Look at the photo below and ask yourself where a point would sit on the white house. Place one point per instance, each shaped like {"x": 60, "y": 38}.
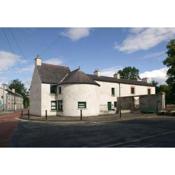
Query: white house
{"x": 9, "y": 99}
{"x": 61, "y": 91}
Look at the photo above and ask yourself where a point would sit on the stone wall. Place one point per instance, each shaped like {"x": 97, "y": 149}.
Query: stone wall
{"x": 143, "y": 103}
{"x": 152, "y": 103}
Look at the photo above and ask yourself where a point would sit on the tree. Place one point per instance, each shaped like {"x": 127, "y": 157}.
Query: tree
{"x": 155, "y": 83}
{"x": 20, "y": 89}
{"x": 170, "y": 63}
{"x": 130, "y": 73}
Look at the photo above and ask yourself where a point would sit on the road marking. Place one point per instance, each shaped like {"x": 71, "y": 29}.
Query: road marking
{"x": 140, "y": 139}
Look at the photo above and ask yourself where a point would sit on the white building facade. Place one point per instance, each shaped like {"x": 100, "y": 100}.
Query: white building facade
{"x": 9, "y": 99}
{"x": 63, "y": 92}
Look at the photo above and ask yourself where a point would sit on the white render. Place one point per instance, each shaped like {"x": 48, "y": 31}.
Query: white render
{"x": 80, "y": 92}
{"x": 35, "y": 94}
{"x": 105, "y": 93}
{"x": 9, "y": 99}
{"x": 96, "y": 97}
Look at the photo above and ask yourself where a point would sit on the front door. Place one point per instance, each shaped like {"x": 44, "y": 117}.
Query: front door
{"x": 109, "y": 106}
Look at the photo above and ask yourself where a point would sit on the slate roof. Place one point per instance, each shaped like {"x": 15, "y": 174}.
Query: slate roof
{"x": 56, "y": 74}
{"x": 52, "y": 74}
{"x": 115, "y": 80}
{"x": 78, "y": 77}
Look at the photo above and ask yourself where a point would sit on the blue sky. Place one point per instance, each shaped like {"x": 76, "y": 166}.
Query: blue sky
{"x": 106, "y": 49}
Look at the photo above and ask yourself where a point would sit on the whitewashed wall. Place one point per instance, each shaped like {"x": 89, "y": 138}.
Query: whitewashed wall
{"x": 35, "y": 94}
{"x": 47, "y": 97}
{"x": 125, "y": 90}
{"x": 96, "y": 97}
{"x": 80, "y": 92}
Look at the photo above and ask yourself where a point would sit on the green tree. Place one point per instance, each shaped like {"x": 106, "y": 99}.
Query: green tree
{"x": 20, "y": 89}
{"x": 130, "y": 73}
{"x": 155, "y": 83}
{"x": 170, "y": 63}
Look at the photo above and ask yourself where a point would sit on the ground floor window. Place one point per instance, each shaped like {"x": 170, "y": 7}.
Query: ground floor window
{"x": 57, "y": 105}
{"x": 109, "y": 106}
{"x": 81, "y": 105}
{"x": 60, "y": 105}
{"x": 53, "y": 105}
{"x": 115, "y": 104}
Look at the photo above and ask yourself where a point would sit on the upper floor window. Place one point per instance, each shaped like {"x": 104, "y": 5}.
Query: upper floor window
{"x": 113, "y": 91}
{"x": 53, "y": 89}
{"x": 149, "y": 91}
{"x": 132, "y": 90}
{"x": 59, "y": 90}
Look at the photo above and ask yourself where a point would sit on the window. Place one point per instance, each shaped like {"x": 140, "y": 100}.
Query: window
{"x": 53, "y": 105}
{"x": 60, "y": 105}
{"x": 81, "y": 105}
{"x": 132, "y": 90}
{"x": 113, "y": 91}
{"x": 115, "y": 104}
{"x": 53, "y": 89}
{"x": 109, "y": 106}
{"x": 149, "y": 91}
{"x": 59, "y": 90}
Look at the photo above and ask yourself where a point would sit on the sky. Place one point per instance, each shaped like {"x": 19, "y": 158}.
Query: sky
{"x": 105, "y": 49}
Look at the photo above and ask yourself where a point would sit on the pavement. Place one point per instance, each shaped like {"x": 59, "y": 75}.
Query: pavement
{"x": 133, "y": 130}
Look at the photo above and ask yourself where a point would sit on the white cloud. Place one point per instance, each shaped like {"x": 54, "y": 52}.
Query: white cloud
{"x": 7, "y": 60}
{"x": 158, "y": 75}
{"x": 144, "y": 39}
{"x": 109, "y": 72}
{"x": 56, "y": 61}
{"x": 27, "y": 83}
{"x": 28, "y": 68}
{"x": 76, "y": 33}
{"x": 155, "y": 55}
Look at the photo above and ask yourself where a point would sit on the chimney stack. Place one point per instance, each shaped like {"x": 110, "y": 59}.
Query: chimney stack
{"x": 13, "y": 90}
{"x": 145, "y": 80}
{"x": 117, "y": 75}
{"x": 38, "y": 61}
{"x": 97, "y": 72}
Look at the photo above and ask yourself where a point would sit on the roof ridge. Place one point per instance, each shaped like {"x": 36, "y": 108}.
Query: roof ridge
{"x": 78, "y": 77}
{"x": 113, "y": 79}
{"x": 55, "y": 65}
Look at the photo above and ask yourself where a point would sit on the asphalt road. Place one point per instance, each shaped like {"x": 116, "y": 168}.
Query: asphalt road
{"x": 145, "y": 132}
